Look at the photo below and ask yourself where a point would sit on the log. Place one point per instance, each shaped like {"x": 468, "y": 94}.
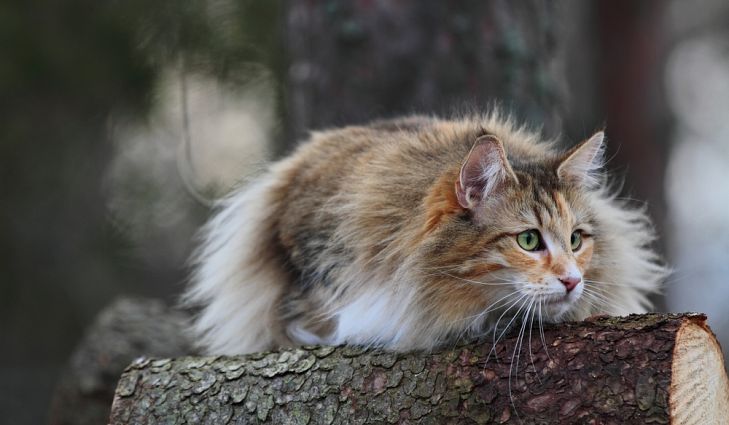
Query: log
{"x": 126, "y": 329}
{"x": 653, "y": 368}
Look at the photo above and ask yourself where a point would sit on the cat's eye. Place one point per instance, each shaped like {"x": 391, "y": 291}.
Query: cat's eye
{"x": 528, "y": 240}
{"x": 576, "y": 240}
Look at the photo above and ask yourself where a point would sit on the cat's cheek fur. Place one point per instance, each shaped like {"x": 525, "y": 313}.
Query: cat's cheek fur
{"x": 584, "y": 256}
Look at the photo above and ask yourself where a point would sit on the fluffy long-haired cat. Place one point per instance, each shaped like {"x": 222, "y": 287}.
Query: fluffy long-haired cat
{"x": 411, "y": 233}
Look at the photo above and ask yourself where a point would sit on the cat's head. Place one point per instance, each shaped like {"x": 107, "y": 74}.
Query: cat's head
{"x": 525, "y": 233}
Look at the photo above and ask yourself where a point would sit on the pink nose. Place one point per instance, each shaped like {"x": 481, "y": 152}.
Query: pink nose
{"x": 570, "y": 282}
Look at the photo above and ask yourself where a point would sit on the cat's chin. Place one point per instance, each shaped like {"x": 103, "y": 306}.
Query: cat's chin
{"x": 554, "y": 310}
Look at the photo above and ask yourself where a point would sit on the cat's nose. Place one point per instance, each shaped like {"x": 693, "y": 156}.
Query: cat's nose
{"x": 570, "y": 282}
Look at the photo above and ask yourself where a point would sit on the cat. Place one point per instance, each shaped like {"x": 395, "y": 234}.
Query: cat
{"x": 411, "y": 233}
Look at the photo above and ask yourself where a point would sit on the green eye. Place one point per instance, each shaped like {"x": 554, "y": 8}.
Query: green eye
{"x": 576, "y": 240}
{"x": 528, "y": 240}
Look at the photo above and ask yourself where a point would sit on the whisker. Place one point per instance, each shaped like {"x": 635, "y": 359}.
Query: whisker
{"x": 503, "y": 279}
{"x": 541, "y": 330}
{"x": 597, "y": 282}
{"x": 598, "y": 295}
{"x": 517, "y": 350}
{"x": 608, "y": 304}
{"x": 505, "y": 283}
{"x": 592, "y": 296}
{"x": 594, "y": 308}
{"x": 531, "y": 356}
{"x": 496, "y": 340}
{"x": 520, "y": 337}
{"x": 491, "y": 307}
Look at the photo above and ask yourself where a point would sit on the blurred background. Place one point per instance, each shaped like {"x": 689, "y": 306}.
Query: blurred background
{"x": 122, "y": 121}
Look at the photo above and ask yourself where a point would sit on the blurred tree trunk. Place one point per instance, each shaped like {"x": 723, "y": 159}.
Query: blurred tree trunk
{"x": 351, "y": 62}
{"x": 633, "y": 44}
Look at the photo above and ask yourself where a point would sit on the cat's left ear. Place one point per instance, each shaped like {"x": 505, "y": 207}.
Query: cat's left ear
{"x": 484, "y": 172}
{"x": 582, "y": 163}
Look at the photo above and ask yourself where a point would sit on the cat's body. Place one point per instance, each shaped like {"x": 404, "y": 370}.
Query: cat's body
{"x": 409, "y": 234}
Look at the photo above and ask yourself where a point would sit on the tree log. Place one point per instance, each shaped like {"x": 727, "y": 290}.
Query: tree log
{"x": 125, "y": 330}
{"x": 653, "y": 368}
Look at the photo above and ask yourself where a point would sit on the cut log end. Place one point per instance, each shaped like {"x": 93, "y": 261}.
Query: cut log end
{"x": 699, "y": 386}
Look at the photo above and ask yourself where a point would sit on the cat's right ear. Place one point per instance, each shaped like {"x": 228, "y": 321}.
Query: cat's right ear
{"x": 583, "y": 162}
{"x": 484, "y": 172}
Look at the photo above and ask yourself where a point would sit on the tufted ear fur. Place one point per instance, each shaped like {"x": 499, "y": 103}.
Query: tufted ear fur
{"x": 582, "y": 163}
{"x": 484, "y": 172}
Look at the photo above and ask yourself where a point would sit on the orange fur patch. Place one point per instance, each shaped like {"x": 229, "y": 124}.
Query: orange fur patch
{"x": 561, "y": 203}
{"x": 583, "y": 260}
{"x": 559, "y": 267}
{"x": 441, "y": 201}
{"x": 482, "y": 269}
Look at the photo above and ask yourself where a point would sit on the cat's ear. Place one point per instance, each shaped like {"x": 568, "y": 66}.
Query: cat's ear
{"x": 484, "y": 172}
{"x": 582, "y": 163}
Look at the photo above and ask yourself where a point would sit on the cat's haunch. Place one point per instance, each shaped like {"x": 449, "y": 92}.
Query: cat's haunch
{"x": 412, "y": 233}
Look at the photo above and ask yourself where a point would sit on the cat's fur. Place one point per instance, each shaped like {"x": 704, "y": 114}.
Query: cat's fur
{"x": 402, "y": 234}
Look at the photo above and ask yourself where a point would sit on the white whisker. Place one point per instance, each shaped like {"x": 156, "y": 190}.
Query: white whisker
{"x": 496, "y": 328}
{"x": 505, "y": 283}
{"x": 491, "y": 307}
{"x": 520, "y": 337}
{"x": 597, "y": 282}
{"x": 541, "y": 330}
{"x": 476, "y": 317}
{"x": 517, "y": 350}
{"x": 597, "y": 294}
{"x": 531, "y": 356}
{"x": 591, "y": 304}
{"x": 609, "y": 305}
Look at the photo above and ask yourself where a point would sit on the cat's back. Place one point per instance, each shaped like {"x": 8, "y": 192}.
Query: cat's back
{"x": 391, "y": 161}
{"x": 329, "y": 157}
{"x": 386, "y": 162}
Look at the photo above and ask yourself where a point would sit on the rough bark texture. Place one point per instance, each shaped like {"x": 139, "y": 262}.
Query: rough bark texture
{"x": 125, "y": 330}
{"x": 606, "y": 370}
{"x": 355, "y": 61}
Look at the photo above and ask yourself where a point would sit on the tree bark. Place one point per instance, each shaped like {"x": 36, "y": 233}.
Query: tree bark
{"x": 651, "y": 368}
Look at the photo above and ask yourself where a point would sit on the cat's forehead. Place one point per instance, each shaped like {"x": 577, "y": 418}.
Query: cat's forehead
{"x": 556, "y": 208}
{"x": 536, "y": 173}
{"x": 540, "y": 200}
